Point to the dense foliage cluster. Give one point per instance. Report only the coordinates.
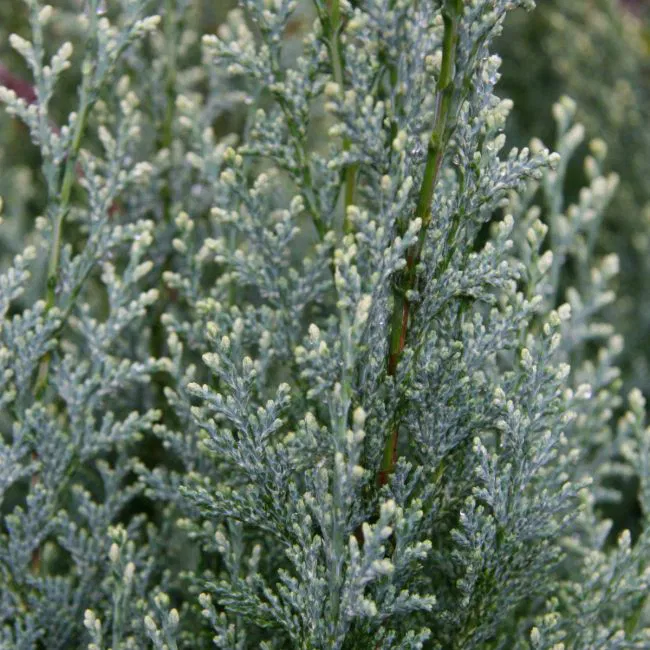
(294, 351)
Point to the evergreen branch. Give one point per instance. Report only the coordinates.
(435, 154)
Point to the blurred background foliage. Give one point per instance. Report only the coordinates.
(598, 53)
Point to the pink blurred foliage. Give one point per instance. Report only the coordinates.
(637, 7)
(22, 88)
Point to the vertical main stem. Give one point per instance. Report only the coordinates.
(166, 141)
(435, 154)
(335, 27)
(167, 135)
(64, 201)
(350, 175)
(69, 175)
(65, 193)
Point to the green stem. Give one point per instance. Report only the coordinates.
(306, 183)
(348, 200)
(170, 91)
(69, 176)
(350, 174)
(170, 83)
(435, 155)
(166, 140)
(64, 199)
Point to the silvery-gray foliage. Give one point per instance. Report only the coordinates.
(320, 382)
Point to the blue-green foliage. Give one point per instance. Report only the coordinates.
(336, 378)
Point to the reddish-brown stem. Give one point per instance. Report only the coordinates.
(393, 360)
(435, 154)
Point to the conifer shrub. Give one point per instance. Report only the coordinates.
(295, 353)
